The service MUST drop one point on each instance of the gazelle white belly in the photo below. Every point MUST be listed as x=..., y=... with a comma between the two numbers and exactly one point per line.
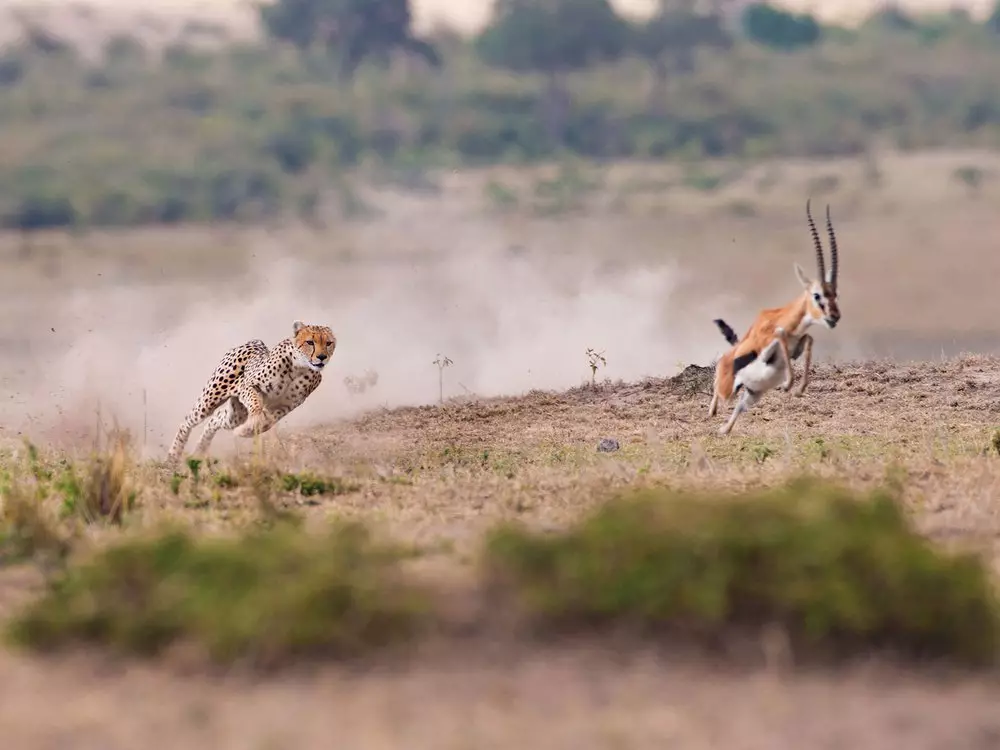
x=765, y=372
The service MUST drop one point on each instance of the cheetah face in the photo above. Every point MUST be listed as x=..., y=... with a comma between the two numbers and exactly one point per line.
x=313, y=345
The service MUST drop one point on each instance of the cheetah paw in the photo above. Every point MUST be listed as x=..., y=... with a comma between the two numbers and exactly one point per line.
x=255, y=425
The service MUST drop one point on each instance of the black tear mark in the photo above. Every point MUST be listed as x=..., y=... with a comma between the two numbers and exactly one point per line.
x=743, y=360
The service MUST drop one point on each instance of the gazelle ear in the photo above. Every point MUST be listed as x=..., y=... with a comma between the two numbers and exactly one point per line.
x=803, y=279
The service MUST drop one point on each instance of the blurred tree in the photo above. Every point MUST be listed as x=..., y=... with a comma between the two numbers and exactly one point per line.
x=779, y=29
x=671, y=38
x=349, y=30
x=552, y=37
x=993, y=22
x=891, y=17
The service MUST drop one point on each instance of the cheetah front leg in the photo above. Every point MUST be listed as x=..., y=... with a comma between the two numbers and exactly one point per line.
x=259, y=419
x=279, y=411
x=270, y=420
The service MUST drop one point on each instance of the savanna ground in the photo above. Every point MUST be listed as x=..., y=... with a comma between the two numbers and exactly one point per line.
x=95, y=331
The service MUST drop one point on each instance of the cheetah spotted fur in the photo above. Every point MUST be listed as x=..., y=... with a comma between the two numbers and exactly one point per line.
x=253, y=387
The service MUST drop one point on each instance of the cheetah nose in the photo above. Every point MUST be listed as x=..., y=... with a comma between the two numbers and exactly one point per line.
x=322, y=357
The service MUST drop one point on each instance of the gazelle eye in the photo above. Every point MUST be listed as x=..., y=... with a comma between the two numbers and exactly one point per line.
x=816, y=296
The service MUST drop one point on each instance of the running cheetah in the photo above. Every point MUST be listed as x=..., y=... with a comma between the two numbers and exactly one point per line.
x=253, y=387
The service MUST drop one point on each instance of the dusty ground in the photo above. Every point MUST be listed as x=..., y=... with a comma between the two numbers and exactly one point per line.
x=444, y=473
x=128, y=325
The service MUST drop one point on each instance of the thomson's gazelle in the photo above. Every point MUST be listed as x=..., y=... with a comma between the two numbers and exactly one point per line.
x=779, y=330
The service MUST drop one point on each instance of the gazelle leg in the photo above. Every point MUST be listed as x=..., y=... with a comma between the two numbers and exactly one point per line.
x=782, y=340
x=808, y=351
x=747, y=400
x=714, y=406
x=739, y=409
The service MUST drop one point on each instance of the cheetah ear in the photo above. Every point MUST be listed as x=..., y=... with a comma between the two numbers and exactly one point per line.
x=297, y=326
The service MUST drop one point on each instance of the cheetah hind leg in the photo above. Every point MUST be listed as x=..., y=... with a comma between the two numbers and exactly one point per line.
x=229, y=416
x=198, y=414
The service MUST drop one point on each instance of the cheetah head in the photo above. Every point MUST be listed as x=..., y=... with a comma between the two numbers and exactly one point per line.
x=313, y=345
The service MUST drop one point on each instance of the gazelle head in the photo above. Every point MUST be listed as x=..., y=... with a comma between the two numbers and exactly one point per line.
x=821, y=306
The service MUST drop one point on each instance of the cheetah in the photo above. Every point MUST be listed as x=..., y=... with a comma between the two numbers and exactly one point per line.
x=253, y=387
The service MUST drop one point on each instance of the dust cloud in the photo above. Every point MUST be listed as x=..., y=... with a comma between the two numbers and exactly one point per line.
x=510, y=323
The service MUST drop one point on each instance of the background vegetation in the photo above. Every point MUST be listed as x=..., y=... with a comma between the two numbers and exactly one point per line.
x=211, y=128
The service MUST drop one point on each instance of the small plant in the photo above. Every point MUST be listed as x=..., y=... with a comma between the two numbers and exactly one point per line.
x=225, y=480
x=261, y=482
x=501, y=197
x=759, y=451
x=595, y=359
x=309, y=485
x=176, y=480
x=441, y=362
x=970, y=176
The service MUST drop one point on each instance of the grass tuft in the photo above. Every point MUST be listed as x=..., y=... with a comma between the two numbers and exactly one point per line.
x=104, y=490
x=838, y=573
x=27, y=530
x=264, y=598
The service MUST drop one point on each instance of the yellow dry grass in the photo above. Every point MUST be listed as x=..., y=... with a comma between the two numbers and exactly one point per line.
x=918, y=265
x=440, y=475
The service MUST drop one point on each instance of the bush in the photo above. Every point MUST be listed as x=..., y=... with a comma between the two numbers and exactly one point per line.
x=266, y=597
x=840, y=574
x=41, y=211
x=779, y=29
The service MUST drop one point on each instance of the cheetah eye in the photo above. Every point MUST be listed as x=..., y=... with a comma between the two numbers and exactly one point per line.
x=311, y=343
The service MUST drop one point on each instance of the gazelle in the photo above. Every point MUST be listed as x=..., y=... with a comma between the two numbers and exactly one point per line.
x=782, y=328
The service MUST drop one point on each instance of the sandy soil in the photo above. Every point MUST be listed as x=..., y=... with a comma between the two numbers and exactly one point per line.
x=568, y=697
x=129, y=325
x=445, y=472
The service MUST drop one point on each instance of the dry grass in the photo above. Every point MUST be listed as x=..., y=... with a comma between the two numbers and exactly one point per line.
x=441, y=476
x=432, y=473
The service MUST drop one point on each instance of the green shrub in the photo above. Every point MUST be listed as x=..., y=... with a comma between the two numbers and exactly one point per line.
x=269, y=596
x=779, y=29
x=840, y=574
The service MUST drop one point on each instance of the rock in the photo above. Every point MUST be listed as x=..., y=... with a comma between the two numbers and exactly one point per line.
x=607, y=445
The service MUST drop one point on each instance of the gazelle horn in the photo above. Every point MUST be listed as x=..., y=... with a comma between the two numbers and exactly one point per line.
x=820, y=264
x=833, y=249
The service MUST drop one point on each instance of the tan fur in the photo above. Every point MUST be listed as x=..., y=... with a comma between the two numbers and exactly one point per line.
x=253, y=387
x=787, y=324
